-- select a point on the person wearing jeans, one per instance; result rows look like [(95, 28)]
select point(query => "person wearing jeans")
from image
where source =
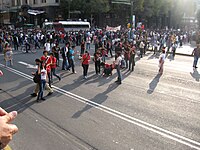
[(53, 67), (97, 61), (118, 67), (72, 53), (43, 74), (196, 53), (85, 63)]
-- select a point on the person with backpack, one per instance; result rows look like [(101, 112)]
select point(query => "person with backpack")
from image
[(36, 80), (117, 64), (85, 63)]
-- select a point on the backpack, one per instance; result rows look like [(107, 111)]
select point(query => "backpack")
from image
[(36, 78)]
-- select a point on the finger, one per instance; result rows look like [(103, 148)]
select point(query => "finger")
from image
[(3, 145), (2, 112), (10, 116), (13, 129)]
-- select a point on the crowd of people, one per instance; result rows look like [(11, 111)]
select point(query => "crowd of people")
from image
[(125, 45)]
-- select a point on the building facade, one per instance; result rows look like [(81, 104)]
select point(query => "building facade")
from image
[(12, 10)]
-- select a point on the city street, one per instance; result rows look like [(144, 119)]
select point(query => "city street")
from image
[(145, 112)]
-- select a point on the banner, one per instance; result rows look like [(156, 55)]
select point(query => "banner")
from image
[(113, 29)]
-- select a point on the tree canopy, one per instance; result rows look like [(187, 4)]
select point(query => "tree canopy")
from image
[(143, 8)]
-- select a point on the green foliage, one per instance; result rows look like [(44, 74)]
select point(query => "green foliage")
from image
[(145, 9)]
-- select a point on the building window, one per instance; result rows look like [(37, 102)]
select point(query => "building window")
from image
[(57, 1), (34, 2), (43, 1), (26, 1)]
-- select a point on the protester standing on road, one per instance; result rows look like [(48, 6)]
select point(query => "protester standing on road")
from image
[(16, 42), (162, 61), (47, 46), (141, 49), (53, 67), (97, 61), (45, 58), (72, 54), (196, 53), (82, 47), (7, 130), (85, 63), (64, 52), (117, 63), (43, 75), (132, 58), (88, 42), (8, 55), (56, 51), (37, 81)]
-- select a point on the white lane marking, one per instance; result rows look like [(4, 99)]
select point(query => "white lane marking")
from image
[(13, 53), (155, 129), (27, 65)]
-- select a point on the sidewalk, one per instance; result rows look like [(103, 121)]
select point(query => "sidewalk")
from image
[(185, 50)]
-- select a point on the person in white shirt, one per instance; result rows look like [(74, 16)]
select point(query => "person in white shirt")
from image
[(43, 77), (47, 46), (88, 41), (117, 64), (161, 61), (142, 45)]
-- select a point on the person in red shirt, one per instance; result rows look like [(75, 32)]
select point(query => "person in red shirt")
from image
[(48, 62), (53, 67), (85, 63)]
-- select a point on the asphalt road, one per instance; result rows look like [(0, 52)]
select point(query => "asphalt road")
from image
[(146, 112)]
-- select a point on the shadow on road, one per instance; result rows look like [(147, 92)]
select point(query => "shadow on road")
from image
[(153, 84), (17, 103), (195, 75), (99, 99)]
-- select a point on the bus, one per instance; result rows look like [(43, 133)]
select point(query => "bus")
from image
[(67, 26)]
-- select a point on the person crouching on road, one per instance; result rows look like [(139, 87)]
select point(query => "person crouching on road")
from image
[(43, 75), (85, 63), (53, 67), (162, 61), (117, 64)]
